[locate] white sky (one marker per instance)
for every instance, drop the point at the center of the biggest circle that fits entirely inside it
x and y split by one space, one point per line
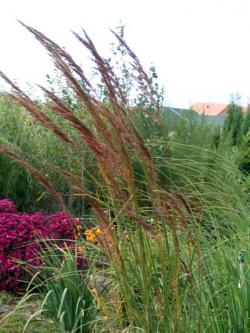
201 48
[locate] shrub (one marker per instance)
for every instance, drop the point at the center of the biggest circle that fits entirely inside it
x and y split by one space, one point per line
7 206
19 241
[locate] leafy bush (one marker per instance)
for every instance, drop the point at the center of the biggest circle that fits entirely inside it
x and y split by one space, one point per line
19 241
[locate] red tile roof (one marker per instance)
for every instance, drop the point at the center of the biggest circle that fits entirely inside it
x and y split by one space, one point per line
209 109
212 109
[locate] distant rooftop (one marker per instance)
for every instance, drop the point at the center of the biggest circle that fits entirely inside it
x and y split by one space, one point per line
211 109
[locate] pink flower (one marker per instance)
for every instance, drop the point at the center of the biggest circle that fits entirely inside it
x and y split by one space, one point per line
20 234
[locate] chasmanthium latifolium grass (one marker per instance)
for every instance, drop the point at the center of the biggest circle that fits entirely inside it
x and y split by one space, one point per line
166 242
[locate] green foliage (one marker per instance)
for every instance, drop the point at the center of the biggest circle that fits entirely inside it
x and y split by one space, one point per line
243 154
67 301
197 291
16 322
233 123
246 122
22 134
63 293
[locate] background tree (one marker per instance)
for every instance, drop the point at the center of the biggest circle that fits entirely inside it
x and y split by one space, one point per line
233 124
246 122
243 157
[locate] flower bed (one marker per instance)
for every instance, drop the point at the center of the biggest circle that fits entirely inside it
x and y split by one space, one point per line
20 235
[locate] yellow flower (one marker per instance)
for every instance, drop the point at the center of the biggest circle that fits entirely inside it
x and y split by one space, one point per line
91 234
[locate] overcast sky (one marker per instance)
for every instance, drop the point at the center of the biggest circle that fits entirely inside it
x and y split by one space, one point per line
201 48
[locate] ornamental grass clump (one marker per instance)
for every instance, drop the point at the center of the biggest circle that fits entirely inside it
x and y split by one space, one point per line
68 300
126 183
20 246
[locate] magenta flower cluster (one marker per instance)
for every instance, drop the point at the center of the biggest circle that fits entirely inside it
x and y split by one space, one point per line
7 206
20 241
